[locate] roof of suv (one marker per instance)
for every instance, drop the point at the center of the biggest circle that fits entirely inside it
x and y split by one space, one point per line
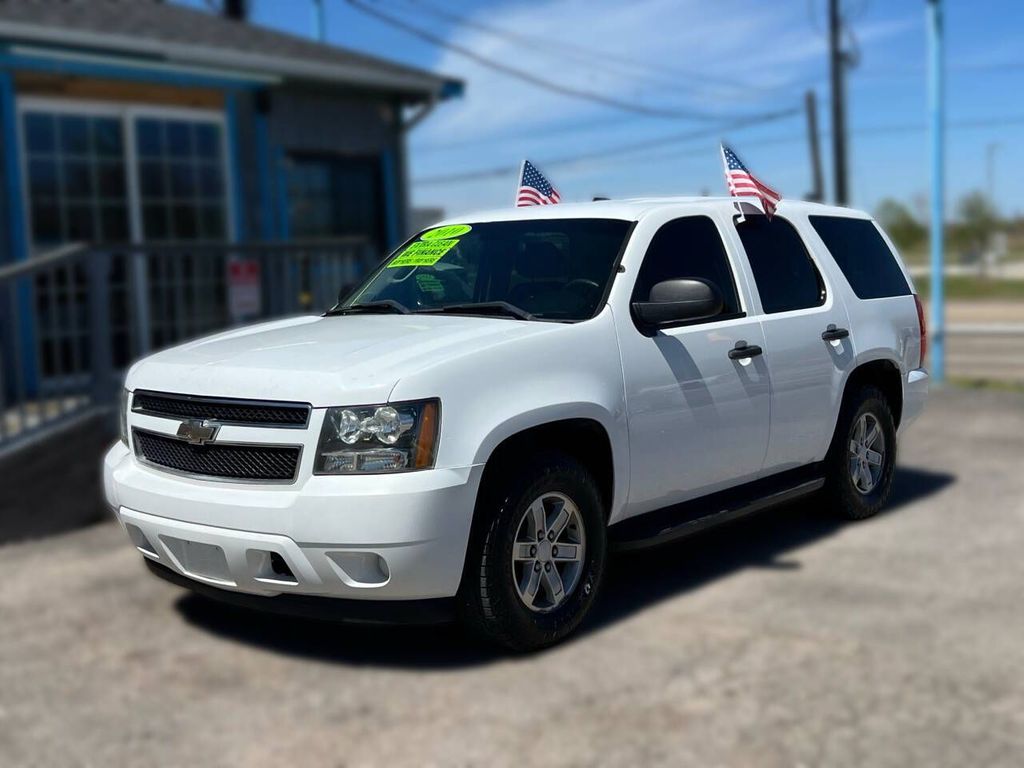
636 208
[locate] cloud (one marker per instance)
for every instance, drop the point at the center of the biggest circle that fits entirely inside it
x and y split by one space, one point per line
729 57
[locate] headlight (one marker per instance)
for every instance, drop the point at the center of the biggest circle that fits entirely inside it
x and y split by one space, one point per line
123 416
397 437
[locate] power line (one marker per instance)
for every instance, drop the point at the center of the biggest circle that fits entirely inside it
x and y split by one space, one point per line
536 80
619 149
613 154
872 130
617 64
589 124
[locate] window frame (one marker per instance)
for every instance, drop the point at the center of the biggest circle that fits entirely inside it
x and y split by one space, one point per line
369 159
825 300
128 113
733 272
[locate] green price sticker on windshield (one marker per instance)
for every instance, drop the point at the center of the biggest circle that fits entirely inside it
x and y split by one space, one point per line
443 233
423 253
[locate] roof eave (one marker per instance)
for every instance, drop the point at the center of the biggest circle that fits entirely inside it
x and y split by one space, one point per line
411 84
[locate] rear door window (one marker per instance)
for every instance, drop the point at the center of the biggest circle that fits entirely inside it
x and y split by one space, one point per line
863 255
785 275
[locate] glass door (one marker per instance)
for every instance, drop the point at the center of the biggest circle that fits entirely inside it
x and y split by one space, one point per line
110 174
76 190
182 200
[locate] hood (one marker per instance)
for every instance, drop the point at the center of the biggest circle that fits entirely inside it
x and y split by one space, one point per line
343 360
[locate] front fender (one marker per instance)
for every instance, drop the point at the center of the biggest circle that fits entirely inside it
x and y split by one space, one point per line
567 372
547 414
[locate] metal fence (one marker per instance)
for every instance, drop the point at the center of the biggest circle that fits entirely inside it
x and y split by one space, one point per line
73 319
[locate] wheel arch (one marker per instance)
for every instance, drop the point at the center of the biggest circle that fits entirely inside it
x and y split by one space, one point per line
883 373
584 438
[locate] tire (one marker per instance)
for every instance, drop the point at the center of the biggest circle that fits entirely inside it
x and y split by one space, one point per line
857 485
491 601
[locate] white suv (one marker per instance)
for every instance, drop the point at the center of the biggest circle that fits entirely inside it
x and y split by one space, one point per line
510 396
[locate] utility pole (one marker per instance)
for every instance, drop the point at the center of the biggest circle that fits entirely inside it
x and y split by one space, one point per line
936 110
817 193
319 21
236 10
837 68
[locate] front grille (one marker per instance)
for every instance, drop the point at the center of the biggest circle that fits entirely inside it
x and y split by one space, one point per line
229 461
221 410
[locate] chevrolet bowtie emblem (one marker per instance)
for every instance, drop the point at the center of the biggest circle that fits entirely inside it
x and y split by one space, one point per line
198 431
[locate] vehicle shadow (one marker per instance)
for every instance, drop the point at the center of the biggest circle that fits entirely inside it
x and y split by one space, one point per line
635 581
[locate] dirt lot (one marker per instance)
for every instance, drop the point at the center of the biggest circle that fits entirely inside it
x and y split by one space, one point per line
783 640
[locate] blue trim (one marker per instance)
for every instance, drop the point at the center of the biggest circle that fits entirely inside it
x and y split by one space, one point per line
391 201
130 70
18 239
284 229
17 243
937 122
235 162
267 228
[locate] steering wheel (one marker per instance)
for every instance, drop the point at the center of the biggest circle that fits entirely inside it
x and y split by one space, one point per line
582 286
584 292
452 287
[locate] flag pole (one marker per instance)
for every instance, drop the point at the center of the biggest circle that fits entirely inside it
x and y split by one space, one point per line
519 183
725 168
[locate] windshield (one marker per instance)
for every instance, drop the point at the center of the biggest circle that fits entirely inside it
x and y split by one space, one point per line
555 269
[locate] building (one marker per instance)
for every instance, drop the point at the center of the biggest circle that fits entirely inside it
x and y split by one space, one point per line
146 122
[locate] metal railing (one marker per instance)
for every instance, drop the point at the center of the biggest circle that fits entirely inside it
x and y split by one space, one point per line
73 319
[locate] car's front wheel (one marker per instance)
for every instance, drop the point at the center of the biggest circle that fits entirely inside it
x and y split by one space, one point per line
536 560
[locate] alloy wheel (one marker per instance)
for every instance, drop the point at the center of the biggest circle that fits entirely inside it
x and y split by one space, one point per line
548 552
867 454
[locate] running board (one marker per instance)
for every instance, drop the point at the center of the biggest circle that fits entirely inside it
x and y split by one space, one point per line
677 522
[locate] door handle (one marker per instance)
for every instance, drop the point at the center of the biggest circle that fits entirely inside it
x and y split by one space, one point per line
742 350
834 334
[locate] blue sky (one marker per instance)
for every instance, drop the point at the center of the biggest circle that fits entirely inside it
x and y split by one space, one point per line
728 57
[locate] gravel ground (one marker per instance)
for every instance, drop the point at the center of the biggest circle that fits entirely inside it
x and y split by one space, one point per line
783 640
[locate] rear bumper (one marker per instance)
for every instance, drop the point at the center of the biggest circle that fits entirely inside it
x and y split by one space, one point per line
368 538
915 395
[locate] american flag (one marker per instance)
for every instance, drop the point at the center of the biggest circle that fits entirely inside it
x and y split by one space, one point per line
534 189
742 183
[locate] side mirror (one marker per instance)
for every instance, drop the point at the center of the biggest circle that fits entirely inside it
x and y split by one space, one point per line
672 301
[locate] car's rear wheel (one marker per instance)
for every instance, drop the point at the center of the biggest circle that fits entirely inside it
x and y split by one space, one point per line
862 460
537 555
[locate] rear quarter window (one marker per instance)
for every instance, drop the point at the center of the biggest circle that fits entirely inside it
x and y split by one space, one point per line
863 256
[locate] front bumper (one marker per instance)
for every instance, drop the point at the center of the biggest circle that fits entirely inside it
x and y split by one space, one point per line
372 537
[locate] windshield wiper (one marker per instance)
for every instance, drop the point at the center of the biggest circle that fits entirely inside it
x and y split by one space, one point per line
485 308
381 306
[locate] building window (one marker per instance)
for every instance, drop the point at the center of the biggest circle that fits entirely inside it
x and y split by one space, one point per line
77 192
76 178
335 197
182 197
181 179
